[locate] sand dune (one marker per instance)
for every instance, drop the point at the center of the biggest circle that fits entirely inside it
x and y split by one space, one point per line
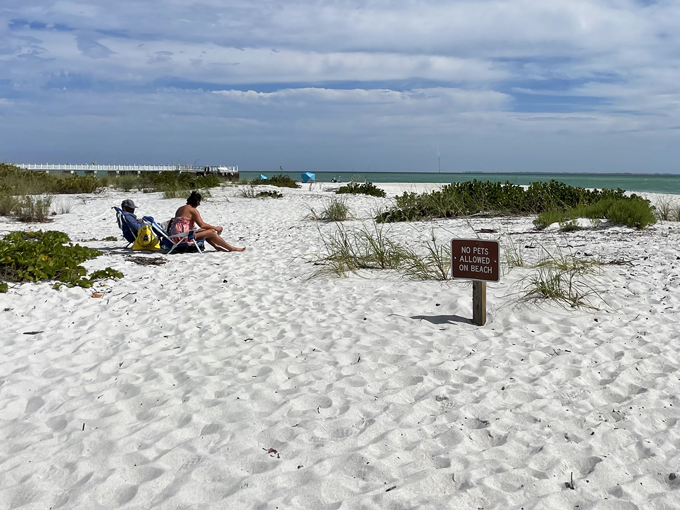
236 381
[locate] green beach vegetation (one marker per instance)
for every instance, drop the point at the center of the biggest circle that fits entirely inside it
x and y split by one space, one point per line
42 256
555 200
27 195
250 192
631 211
279 180
171 184
15 181
348 251
361 188
336 209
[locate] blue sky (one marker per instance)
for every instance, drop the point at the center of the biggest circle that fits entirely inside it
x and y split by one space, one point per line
348 85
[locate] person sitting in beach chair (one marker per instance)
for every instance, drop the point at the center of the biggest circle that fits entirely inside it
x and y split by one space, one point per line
128 222
180 243
187 217
128 214
130 225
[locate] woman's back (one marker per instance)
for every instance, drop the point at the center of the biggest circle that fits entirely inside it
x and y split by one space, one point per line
186 211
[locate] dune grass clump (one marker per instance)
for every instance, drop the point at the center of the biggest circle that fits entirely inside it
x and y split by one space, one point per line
435 265
279 180
33 209
633 211
370 248
555 276
664 210
248 192
336 209
365 188
495 198
562 284
29 209
41 256
348 251
8 204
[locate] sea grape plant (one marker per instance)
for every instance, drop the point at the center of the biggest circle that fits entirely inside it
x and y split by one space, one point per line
41 256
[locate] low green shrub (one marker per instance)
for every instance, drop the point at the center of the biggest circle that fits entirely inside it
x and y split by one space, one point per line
171 184
365 188
633 211
125 182
16 181
269 194
74 184
486 197
547 218
39 256
279 180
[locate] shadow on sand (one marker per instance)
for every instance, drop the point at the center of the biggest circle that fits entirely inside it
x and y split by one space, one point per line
443 319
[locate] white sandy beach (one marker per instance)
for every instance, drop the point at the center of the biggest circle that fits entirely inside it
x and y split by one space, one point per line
234 381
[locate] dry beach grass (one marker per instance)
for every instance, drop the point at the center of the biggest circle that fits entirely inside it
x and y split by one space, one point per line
237 381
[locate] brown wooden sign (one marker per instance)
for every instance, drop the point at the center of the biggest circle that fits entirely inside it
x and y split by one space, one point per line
474 259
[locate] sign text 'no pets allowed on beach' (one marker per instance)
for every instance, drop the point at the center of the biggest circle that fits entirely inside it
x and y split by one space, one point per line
474 259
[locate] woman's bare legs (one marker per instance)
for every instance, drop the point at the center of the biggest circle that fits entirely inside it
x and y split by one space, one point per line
215 240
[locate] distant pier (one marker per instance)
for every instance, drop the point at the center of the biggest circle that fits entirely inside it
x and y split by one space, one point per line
93 169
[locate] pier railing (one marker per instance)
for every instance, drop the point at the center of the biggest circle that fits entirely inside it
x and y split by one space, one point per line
94 168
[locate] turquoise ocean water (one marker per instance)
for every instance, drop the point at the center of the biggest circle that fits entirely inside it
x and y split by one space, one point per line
654 183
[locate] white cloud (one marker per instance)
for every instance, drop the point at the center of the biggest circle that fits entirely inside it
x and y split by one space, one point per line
434 97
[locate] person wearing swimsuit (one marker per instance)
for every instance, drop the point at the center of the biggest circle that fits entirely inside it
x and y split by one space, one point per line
187 216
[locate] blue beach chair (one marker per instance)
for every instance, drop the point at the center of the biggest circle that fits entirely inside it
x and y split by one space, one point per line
127 229
186 241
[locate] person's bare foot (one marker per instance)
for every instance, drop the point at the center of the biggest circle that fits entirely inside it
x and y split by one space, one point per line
239 249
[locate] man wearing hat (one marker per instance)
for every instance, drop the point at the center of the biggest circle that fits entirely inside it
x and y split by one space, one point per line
128 207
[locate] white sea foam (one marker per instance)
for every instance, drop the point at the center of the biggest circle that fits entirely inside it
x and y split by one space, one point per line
235 381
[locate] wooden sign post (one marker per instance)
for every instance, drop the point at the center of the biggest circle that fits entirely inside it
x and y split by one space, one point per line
476 260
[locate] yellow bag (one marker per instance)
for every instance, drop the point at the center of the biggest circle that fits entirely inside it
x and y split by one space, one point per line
146 240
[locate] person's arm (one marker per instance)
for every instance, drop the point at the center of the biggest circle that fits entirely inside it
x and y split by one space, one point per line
196 216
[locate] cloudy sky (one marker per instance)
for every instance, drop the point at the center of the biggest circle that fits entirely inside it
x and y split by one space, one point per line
345 85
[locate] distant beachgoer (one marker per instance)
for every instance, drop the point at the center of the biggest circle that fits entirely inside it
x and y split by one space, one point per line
134 223
187 216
